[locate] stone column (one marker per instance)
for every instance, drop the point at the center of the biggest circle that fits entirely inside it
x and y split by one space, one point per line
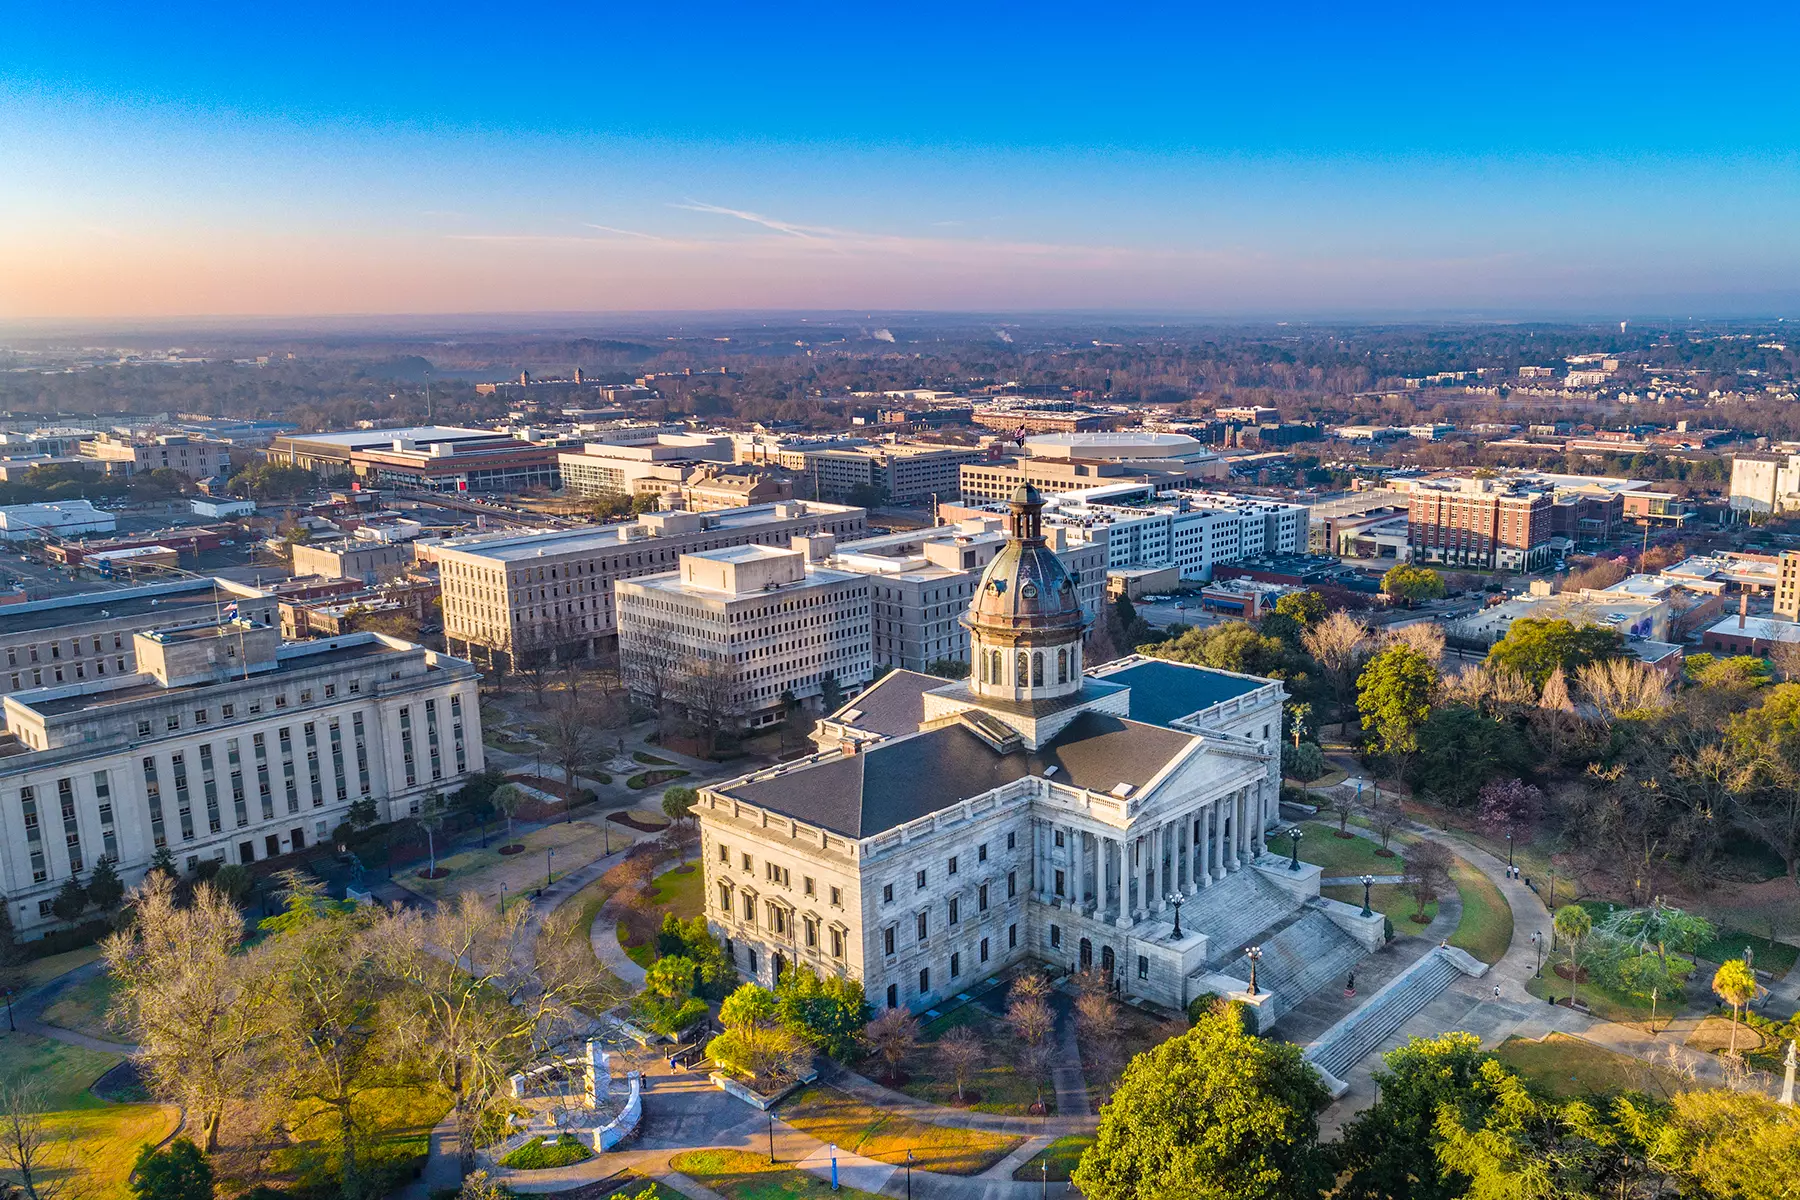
1262 816
1128 870
1184 834
1188 832
1153 897
1241 842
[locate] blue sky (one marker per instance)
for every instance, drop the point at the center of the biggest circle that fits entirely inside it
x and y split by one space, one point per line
210 159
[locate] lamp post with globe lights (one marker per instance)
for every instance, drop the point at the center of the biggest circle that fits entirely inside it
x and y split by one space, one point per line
1254 954
1368 881
1294 862
1176 899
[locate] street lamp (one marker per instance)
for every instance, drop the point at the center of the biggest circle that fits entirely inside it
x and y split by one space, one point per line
1177 899
1044 1172
549 853
1367 881
503 899
771 1137
1254 954
1509 858
1537 953
909 1163
1294 862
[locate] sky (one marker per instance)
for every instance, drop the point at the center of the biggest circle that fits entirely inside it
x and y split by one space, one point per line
179 159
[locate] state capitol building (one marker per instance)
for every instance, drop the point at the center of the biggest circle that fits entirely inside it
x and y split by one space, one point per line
1038 810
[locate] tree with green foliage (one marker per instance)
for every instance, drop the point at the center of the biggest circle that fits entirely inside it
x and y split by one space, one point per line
1573 925
1214 1112
947 668
828 1012
1385 1153
176 1172
1231 646
678 802
1305 762
755 1044
691 939
235 881
831 693
1308 608
1734 983
1409 584
71 901
1765 792
1394 695
163 862
1282 628
668 1005
272 481
104 887
1461 749
1535 646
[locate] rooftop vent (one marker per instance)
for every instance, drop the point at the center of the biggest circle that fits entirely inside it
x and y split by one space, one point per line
853 714
1051 770
1122 790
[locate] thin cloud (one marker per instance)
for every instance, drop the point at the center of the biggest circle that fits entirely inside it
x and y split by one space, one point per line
806 232
636 233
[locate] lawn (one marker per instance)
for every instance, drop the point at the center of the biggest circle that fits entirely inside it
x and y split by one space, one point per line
105 1141
483 870
1001 1089
650 760
82 1007
835 1117
1603 1002
1777 958
677 891
1392 900
1320 844
1060 1156
64 1072
740 1175
53 966
1486 928
647 779
1570 1066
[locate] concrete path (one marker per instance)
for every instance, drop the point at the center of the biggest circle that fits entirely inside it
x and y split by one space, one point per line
28 1008
1071 1083
1352 880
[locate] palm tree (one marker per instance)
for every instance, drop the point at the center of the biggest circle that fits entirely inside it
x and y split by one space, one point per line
1735 984
431 819
1572 923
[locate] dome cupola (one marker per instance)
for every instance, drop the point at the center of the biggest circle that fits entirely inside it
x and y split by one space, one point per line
1025 621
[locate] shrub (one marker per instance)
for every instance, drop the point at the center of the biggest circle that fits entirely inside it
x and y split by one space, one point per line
539 1155
1305 762
177 1172
1200 1005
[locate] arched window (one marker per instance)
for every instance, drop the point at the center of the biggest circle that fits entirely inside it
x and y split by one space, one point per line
1062 665
1024 672
981 667
994 673
1037 668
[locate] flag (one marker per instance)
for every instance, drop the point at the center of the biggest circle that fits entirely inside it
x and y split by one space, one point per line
1019 435
231 611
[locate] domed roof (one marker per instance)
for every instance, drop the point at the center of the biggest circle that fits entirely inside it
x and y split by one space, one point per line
1026 587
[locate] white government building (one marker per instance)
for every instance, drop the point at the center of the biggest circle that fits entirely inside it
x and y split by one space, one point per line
1037 810
223 744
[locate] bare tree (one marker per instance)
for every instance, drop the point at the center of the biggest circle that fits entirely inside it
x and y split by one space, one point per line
649 667
42 1165
892 1037
1385 814
1427 872
961 1053
189 1000
573 741
1098 1026
1618 686
1340 643
708 689
476 1003
1427 637
1786 658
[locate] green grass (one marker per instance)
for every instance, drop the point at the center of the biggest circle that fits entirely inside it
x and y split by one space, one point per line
1059 1156
104 1142
54 966
539 1155
1777 958
740 1175
82 1007
835 1117
1486 928
1392 900
680 889
64 1072
1320 844
645 779
650 760
1569 1066
1602 1001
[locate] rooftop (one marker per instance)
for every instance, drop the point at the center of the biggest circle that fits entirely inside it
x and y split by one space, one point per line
1766 629
1164 692
893 706
592 538
179 601
353 439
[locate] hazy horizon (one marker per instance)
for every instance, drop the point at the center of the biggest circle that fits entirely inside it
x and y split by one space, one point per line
1531 162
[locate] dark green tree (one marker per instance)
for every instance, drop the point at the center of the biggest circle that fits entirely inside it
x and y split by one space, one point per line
1460 750
71 901
1386 1153
1410 584
1536 646
105 888
829 1013
1214 1112
1394 695
1308 608
176 1172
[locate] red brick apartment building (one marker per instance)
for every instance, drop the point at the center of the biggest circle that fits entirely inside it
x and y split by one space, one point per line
1479 523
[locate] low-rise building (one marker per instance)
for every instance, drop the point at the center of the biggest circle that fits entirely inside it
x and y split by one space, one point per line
223 745
363 559
1489 523
195 457
457 465
710 488
56 519
330 453
1744 634
649 464
732 636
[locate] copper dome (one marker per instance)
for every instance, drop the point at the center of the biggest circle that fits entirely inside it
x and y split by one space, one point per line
1026 588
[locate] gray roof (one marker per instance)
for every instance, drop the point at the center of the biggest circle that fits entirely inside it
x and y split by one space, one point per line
1162 692
892 706
891 783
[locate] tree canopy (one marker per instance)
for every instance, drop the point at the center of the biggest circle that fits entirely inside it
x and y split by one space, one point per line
1410 584
1536 646
1394 694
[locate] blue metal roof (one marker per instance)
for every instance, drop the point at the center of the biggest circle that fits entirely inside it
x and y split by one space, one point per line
1162 692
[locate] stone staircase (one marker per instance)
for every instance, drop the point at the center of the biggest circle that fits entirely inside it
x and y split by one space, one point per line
1299 957
1234 911
1346 1043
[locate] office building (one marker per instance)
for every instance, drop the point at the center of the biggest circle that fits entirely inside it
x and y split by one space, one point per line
195 457
651 464
732 635
365 559
923 579
223 745
330 453
1034 812
56 519
995 478
77 639
1491 523
550 595
456 465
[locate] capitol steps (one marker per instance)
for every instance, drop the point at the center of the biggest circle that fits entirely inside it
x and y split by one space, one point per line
1234 911
1301 957
1346 1043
